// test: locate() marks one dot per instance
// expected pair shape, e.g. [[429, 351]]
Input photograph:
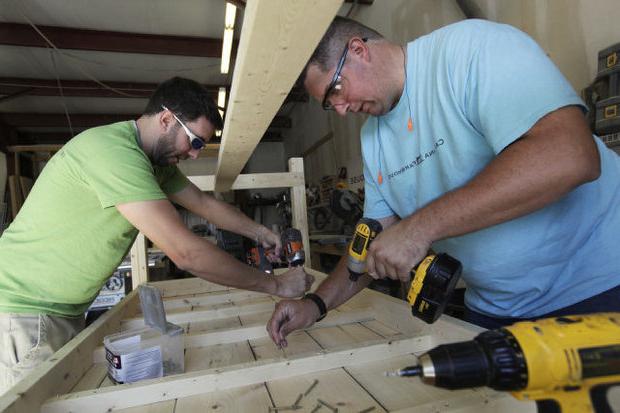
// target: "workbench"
[[231, 365]]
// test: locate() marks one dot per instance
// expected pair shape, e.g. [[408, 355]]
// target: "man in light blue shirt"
[[478, 146]]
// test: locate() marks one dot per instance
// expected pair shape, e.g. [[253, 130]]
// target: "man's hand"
[[395, 252], [291, 315], [269, 239], [293, 283]]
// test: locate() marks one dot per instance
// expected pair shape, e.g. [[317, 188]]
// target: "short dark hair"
[[330, 47], [188, 99]]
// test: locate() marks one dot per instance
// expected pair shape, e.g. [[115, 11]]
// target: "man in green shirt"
[[86, 209]]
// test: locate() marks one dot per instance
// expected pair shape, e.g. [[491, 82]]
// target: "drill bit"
[[406, 372]]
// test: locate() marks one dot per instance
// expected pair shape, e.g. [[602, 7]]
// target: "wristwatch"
[[319, 303]]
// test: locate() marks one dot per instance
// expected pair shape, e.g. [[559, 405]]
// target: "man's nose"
[[193, 153], [341, 109]]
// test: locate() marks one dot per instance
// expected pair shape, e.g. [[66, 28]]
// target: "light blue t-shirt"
[[473, 88]]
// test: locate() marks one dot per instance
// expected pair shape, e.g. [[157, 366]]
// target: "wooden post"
[[139, 262], [298, 206]]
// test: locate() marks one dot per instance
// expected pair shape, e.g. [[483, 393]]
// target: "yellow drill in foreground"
[[565, 363]]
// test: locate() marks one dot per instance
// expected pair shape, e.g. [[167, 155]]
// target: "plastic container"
[[144, 353]]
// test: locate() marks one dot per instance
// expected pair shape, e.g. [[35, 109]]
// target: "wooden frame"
[[293, 179], [231, 365]]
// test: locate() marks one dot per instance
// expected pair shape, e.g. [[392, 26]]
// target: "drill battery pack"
[[432, 285]]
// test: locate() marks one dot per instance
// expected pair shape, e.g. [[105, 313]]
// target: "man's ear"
[[358, 49], [165, 120]]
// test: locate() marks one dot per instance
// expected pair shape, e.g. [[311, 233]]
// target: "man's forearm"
[[337, 288], [212, 264]]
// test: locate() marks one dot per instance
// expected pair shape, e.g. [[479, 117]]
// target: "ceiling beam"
[[241, 3], [277, 39], [88, 120], [81, 88], [17, 34], [13, 87]]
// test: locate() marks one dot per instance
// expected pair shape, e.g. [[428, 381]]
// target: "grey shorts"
[[27, 340]]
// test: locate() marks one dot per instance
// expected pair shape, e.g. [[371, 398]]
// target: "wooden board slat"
[[190, 384], [252, 181], [277, 39]]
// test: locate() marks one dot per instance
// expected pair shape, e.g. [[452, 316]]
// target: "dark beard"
[[164, 149]]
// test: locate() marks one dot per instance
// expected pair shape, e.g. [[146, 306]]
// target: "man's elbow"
[[185, 259], [590, 167]]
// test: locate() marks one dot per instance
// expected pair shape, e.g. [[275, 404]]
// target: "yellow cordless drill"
[[432, 281], [565, 363]]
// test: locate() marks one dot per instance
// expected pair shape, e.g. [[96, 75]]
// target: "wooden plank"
[[252, 181], [245, 399], [190, 384], [257, 330], [93, 377], [253, 398], [214, 313], [334, 387], [110, 41], [34, 148], [212, 299], [298, 207], [61, 372], [139, 262], [277, 39]]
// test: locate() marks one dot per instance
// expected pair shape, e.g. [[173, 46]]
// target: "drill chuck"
[[492, 359], [293, 247]]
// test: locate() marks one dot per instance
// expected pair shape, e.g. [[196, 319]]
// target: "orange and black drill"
[[292, 251]]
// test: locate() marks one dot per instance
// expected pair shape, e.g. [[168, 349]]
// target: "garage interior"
[[70, 65]]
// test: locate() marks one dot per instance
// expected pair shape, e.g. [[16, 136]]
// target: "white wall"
[[571, 31]]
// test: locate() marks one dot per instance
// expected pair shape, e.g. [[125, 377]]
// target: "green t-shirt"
[[68, 238]]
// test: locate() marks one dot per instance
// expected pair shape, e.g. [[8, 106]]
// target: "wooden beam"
[[298, 207], [17, 34], [89, 119], [210, 314], [257, 330], [34, 148], [189, 384], [60, 119], [253, 181], [59, 373], [211, 299], [277, 39], [83, 88], [139, 262], [241, 3]]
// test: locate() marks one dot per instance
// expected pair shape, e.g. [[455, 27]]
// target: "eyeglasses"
[[335, 87], [195, 141]]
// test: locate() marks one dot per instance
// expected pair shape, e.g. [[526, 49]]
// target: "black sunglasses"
[[326, 105]]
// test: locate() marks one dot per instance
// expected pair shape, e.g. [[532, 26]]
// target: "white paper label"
[[138, 365]]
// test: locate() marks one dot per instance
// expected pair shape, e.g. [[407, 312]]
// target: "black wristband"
[[319, 303]]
